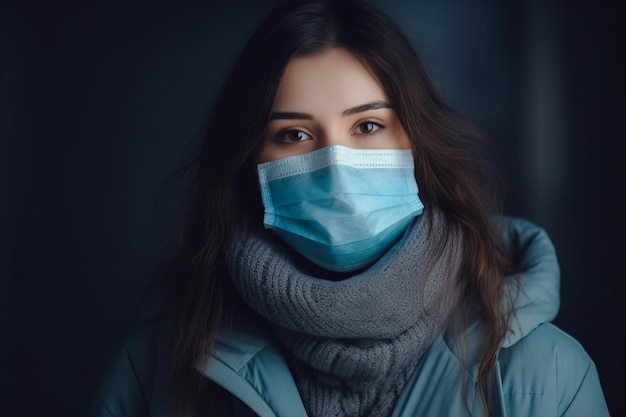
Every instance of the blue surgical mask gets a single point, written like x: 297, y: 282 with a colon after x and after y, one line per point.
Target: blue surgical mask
x: 341, y: 208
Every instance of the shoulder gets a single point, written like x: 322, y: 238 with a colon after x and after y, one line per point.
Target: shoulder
x: 130, y: 384
x: 549, y: 339
x: 547, y: 348
x: 550, y: 367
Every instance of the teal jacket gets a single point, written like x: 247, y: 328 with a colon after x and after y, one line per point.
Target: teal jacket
x: 541, y: 371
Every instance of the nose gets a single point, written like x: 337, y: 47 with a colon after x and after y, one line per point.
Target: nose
x: 332, y: 137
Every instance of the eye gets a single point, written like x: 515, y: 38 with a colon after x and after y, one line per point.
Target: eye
x: 293, y: 136
x: 367, y: 128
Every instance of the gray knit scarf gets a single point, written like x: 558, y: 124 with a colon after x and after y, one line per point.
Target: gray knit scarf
x: 353, y: 343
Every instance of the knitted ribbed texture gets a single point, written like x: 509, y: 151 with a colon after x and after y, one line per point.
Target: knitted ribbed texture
x: 354, y: 343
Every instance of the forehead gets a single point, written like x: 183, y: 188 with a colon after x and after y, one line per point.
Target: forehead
x: 333, y: 80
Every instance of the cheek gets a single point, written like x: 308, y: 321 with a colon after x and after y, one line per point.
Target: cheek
x: 264, y: 153
x: 400, y: 138
x: 269, y: 151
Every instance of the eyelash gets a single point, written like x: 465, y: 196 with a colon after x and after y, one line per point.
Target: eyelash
x: 378, y: 125
x: 281, y: 135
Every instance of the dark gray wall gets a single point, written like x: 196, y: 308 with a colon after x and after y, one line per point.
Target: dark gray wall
x: 101, y: 103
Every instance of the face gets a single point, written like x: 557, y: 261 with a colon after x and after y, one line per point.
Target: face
x: 328, y: 99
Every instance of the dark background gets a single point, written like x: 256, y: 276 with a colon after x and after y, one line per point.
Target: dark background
x: 101, y: 102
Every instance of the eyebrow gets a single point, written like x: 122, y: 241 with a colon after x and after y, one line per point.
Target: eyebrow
x: 374, y: 105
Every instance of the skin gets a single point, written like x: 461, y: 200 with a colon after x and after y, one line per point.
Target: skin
x: 328, y: 99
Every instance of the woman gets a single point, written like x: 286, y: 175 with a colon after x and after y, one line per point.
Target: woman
x: 313, y: 279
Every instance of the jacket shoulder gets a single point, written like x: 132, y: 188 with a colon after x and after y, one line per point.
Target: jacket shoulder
x: 549, y: 370
x: 128, y: 385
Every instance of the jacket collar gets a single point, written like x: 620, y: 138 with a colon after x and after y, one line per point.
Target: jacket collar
x: 538, y: 300
x: 534, y: 292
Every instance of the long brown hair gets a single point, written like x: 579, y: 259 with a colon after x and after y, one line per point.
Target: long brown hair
x: 451, y: 168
